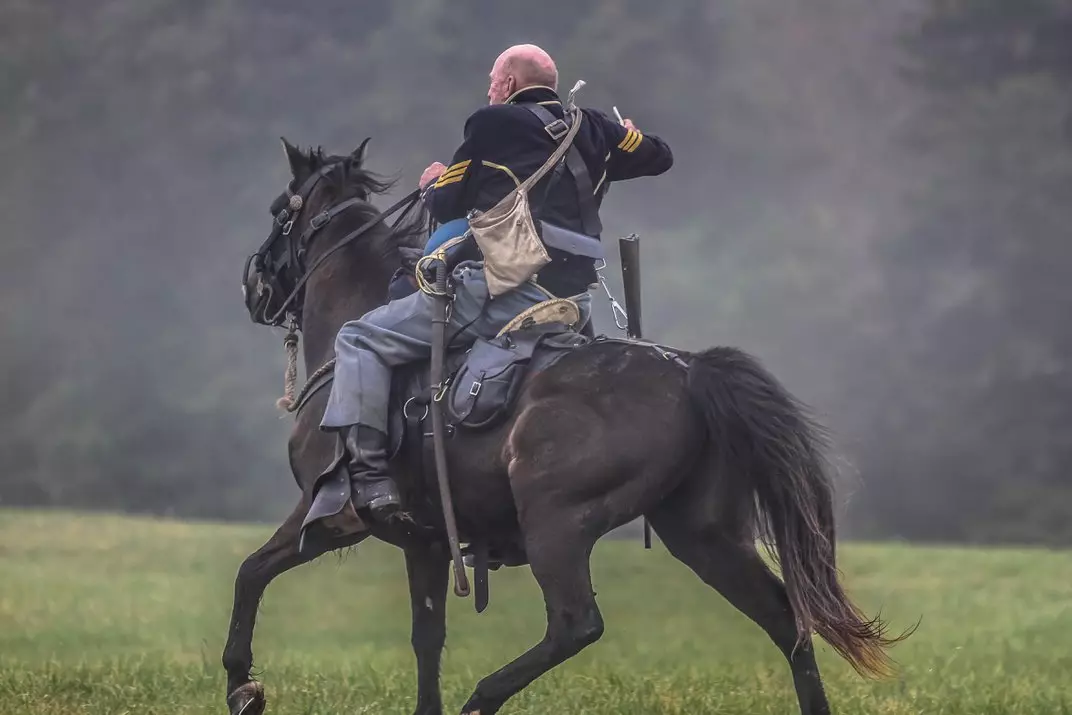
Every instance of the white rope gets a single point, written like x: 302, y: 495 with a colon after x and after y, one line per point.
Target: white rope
x: 290, y: 377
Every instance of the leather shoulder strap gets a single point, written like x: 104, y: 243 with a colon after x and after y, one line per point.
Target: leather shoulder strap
x: 563, y: 146
x: 576, y: 165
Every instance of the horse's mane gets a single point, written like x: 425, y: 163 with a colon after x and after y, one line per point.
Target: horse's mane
x: 352, y: 179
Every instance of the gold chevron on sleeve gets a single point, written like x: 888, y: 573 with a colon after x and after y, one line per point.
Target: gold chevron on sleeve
x: 446, y: 180
x: 453, y: 174
x: 632, y: 141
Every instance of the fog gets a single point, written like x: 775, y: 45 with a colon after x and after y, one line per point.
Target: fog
x: 873, y: 198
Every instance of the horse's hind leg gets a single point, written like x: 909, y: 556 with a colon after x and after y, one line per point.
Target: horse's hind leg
x: 427, y: 567
x: 735, y: 569
x: 558, y: 551
x: 278, y: 555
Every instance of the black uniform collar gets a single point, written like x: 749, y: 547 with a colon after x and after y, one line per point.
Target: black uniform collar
x: 536, y: 95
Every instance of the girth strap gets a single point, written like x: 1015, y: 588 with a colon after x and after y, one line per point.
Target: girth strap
x: 664, y: 351
x: 574, y: 163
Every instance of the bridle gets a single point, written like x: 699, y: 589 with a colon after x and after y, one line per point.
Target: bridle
x: 278, y: 266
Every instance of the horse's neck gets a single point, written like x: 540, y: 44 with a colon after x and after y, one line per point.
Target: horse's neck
x: 348, y: 285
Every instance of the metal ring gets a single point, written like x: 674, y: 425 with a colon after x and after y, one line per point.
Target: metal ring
x: 405, y: 410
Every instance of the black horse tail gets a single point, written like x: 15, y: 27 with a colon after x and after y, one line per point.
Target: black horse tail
x: 760, y: 432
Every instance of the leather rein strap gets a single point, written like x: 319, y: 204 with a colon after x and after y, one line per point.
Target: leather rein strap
x: 319, y: 221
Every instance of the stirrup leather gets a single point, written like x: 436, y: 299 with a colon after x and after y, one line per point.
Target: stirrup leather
x: 555, y: 310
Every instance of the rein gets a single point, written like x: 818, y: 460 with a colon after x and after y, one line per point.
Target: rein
x: 404, y: 203
x: 282, y: 256
x: 267, y: 268
x: 269, y: 272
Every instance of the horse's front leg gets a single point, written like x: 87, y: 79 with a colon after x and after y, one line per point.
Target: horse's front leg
x: 278, y: 555
x: 428, y: 567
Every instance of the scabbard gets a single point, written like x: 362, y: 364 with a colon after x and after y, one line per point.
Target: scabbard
x: 629, y: 250
x: 439, y: 337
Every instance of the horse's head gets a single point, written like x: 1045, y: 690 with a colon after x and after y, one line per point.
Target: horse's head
x: 325, y: 193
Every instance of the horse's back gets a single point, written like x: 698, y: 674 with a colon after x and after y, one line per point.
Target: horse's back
x: 608, y: 422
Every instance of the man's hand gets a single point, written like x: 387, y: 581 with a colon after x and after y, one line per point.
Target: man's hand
x: 432, y: 173
x: 628, y: 124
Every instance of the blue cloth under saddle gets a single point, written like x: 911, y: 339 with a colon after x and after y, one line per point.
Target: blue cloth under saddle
x: 449, y: 230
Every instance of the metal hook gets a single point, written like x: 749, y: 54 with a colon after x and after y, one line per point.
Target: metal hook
x: 441, y: 390
x: 573, y: 93
x: 621, y: 318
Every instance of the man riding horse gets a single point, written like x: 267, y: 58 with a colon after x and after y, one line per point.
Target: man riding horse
x: 504, y: 144
x: 707, y: 445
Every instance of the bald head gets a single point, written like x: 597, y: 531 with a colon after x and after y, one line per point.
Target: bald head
x: 520, y: 67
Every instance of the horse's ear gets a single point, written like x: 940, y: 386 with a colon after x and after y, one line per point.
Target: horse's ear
x: 298, y: 161
x: 361, y: 153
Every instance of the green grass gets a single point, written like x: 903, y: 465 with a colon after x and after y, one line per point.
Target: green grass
x: 102, y: 614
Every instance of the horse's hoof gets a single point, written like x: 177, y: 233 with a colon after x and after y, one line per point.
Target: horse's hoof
x: 475, y: 708
x: 247, y: 699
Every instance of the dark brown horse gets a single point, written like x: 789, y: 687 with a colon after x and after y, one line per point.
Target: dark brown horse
x: 716, y: 454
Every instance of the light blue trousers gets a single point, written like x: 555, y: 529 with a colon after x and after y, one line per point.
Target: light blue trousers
x: 401, y: 332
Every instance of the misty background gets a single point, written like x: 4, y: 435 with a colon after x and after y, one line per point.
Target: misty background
x: 873, y: 198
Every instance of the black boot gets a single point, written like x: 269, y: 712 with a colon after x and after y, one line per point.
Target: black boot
x: 373, y: 488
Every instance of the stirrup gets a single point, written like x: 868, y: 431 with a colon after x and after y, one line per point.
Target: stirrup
x: 384, y: 506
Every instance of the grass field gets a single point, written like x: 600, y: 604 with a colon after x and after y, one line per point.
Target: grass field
x: 104, y: 614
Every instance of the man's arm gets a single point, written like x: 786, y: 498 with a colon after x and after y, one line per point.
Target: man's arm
x: 453, y: 192
x: 633, y: 153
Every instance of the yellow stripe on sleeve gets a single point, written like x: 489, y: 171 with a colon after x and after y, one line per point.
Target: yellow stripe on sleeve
x: 454, y: 173
x: 637, y: 138
x: 449, y: 180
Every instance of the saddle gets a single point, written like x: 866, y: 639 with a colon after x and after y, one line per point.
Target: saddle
x: 484, y: 381
x: 479, y: 393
